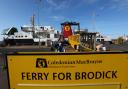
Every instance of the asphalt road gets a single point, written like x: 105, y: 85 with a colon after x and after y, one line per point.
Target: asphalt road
x: 24, y: 49
x: 115, y: 47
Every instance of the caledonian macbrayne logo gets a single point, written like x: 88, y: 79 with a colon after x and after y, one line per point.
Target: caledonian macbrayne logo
x: 41, y: 63
x: 45, y: 63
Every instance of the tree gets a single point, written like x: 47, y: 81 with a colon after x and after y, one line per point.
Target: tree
x: 120, y: 40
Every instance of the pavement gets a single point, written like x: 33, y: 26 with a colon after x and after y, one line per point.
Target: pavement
x: 3, y: 80
x: 11, y: 49
x: 116, y: 47
x: 3, y: 74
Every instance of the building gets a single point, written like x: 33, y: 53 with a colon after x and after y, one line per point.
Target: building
x: 100, y: 38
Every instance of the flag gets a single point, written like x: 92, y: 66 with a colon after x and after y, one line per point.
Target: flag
x: 67, y: 31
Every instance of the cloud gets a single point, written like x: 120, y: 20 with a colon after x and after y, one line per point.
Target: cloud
x: 57, y: 18
x: 102, y: 8
x: 59, y: 4
x: 119, y: 5
x: 51, y: 2
x: 91, y: 1
x: 116, y: 5
x: 103, y: 4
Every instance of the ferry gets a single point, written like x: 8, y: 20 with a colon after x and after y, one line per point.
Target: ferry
x: 42, y: 35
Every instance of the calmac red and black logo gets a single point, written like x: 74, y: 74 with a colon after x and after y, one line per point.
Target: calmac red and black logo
x: 41, y: 63
x: 67, y: 31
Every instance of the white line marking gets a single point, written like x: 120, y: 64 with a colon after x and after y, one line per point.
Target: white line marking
x: 59, y: 85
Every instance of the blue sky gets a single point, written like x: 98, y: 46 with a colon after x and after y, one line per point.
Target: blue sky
x: 109, y: 17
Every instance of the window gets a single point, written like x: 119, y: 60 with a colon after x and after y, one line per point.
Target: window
x: 98, y: 40
x: 12, y: 31
x: 102, y: 40
x: 48, y: 35
x: 55, y: 35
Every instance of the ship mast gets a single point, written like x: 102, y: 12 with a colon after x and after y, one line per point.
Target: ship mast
x: 33, y: 25
x: 39, y: 4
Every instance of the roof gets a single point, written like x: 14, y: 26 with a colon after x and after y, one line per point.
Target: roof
x: 6, y: 31
x: 70, y: 23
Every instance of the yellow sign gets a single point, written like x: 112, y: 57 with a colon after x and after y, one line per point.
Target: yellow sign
x: 68, y: 71
x: 74, y: 40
